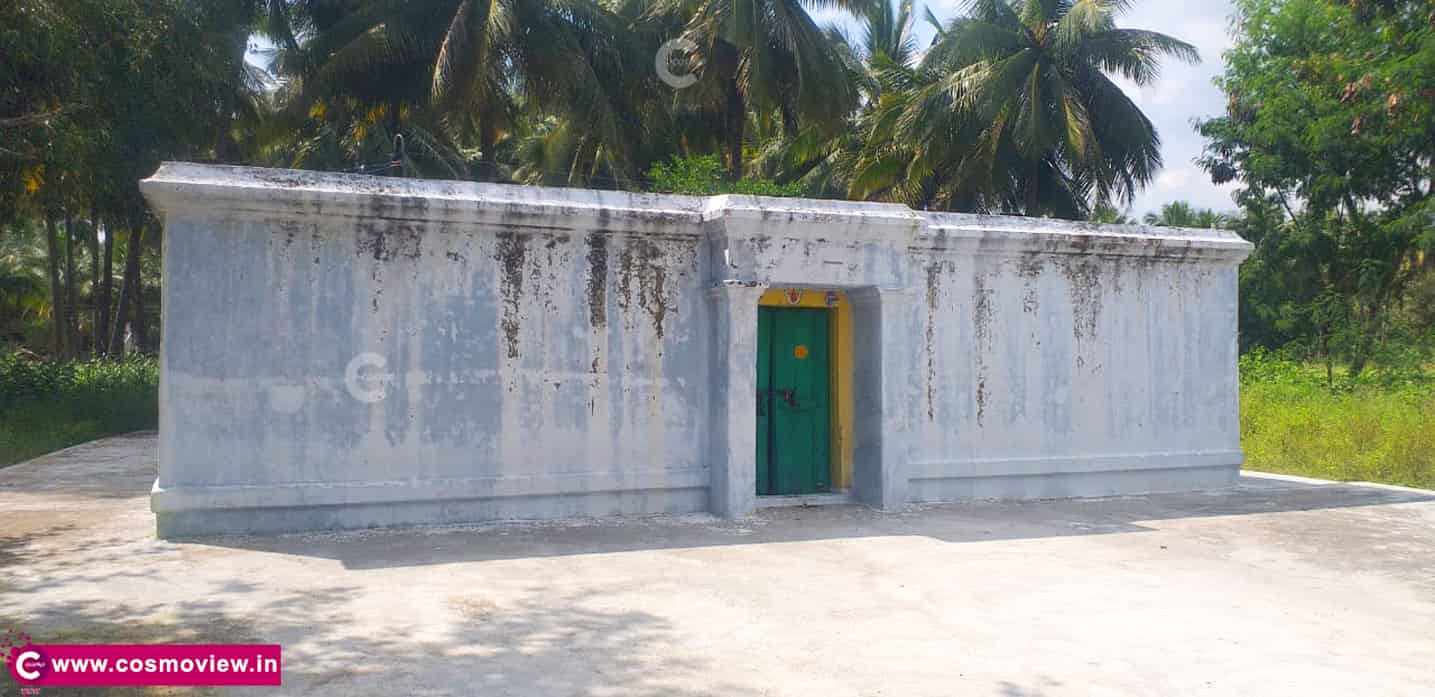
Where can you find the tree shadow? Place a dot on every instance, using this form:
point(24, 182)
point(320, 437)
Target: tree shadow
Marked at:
point(542, 642)
point(91, 571)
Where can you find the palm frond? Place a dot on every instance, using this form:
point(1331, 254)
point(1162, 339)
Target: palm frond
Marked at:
point(1134, 54)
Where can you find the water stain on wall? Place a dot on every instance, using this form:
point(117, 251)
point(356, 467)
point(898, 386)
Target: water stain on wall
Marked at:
point(1029, 267)
point(935, 270)
point(1083, 277)
point(646, 262)
point(387, 240)
point(983, 314)
point(597, 279)
point(510, 255)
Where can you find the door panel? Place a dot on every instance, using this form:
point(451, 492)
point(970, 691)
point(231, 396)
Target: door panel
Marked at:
point(765, 319)
point(794, 417)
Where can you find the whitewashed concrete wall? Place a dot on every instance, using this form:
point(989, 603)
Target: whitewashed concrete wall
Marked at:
point(346, 351)
point(1062, 359)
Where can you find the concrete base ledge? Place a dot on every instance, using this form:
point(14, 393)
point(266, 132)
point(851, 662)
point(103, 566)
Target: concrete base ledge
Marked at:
point(1017, 466)
point(301, 494)
point(1074, 484)
point(269, 520)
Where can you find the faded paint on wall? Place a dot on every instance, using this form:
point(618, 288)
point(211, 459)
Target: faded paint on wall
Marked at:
point(346, 351)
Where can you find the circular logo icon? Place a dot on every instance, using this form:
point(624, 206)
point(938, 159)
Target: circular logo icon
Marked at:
point(793, 296)
point(29, 665)
point(800, 352)
point(367, 386)
point(674, 53)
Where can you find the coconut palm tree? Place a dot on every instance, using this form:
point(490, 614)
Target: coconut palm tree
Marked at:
point(1183, 214)
point(887, 38)
point(1014, 108)
point(822, 159)
point(767, 57)
point(476, 66)
point(24, 288)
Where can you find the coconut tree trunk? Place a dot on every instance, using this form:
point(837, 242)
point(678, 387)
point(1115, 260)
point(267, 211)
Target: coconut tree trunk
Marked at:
point(736, 125)
point(72, 320)
point(487, 144)
point(1033, 190)
point(790, 128)
point(93, 240)
point(107, 284)
point(52, 256)
point(129, 288)
point(141, 326)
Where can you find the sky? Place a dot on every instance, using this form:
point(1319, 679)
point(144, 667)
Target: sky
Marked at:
point(1183, 92)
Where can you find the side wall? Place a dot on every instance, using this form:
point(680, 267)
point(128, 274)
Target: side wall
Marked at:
point(344, 372)
point(1072, 371)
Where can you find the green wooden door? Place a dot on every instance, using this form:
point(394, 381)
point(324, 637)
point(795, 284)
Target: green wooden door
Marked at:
point(793, 401)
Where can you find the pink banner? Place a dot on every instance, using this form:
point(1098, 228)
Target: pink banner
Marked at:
point(115, 665)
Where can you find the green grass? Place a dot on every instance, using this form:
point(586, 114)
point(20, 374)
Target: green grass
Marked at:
point(1380, 428)
point(47, 405)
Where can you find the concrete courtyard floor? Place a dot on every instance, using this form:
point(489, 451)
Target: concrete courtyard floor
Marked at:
point(1274, 587)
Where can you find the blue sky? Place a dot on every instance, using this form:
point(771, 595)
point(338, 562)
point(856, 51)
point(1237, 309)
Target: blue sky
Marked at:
point(1183, 92)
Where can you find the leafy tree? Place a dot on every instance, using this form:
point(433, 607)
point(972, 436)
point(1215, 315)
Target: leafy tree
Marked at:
point(1330, 120)
point(93, 95)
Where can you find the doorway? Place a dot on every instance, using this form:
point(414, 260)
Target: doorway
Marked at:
point(794, 401)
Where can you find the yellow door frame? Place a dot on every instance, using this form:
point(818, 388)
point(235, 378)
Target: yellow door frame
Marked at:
point(840, 338)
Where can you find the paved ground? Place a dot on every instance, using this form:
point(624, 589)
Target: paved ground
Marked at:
point(1276, 587)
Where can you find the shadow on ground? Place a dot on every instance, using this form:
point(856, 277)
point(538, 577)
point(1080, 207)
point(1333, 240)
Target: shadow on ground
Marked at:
point(376, 612)
point(522, 646)
point(978, 521)
point(117, 473)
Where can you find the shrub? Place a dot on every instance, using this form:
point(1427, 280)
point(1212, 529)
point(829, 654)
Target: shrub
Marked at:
point(705, 176)
point(48, 405)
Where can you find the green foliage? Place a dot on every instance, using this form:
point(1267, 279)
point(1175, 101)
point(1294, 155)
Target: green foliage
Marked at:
point(48, 405)
point(1330, 130)
point(704, 176)
point(1182, 214)
point(768, 58)
point(1367, 429)
point(1014, 108)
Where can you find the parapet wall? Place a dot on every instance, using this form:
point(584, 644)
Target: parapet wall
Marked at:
point(348, 351)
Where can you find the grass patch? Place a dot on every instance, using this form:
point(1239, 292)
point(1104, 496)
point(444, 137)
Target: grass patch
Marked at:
point(49, 405)
point(1380, 428)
